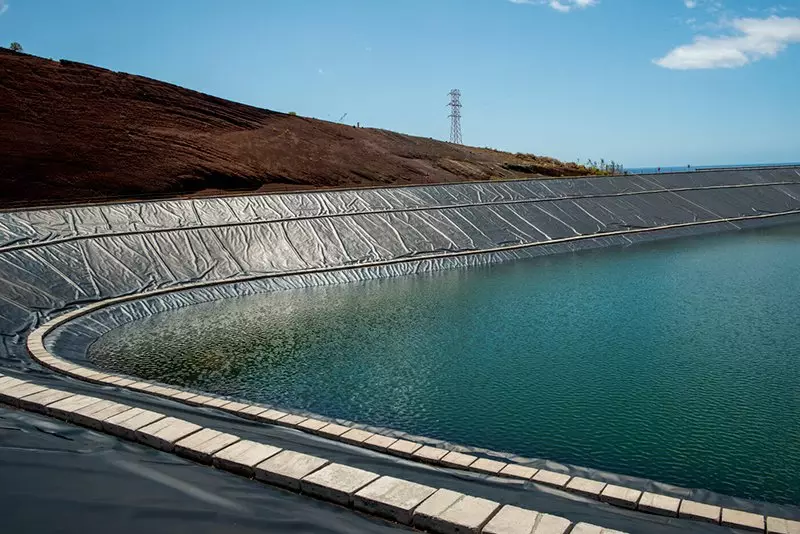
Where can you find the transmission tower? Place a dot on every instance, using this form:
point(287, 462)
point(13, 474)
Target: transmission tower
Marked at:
point(455, 116)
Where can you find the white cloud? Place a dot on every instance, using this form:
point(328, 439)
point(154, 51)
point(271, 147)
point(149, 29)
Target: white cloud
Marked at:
point(691, 4)
point(3, 6)
point(756, 39)
point(564, 6)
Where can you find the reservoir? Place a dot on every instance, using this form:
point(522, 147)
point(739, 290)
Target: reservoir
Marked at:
point(677, 361)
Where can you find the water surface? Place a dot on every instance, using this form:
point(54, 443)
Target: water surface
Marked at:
point(677, 361)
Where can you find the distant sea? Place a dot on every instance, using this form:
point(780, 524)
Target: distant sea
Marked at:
point(692, 168)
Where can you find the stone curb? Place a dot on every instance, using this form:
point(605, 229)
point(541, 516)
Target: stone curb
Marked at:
point(440, 511)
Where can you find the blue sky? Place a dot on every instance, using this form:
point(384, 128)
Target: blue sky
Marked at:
point(643, 82)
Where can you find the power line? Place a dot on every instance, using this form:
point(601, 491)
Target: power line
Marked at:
point(455, 116)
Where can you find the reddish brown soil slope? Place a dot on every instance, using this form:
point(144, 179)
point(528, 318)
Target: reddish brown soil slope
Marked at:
point(73, 132)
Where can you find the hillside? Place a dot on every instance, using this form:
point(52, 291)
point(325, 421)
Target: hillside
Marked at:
point(74, 132)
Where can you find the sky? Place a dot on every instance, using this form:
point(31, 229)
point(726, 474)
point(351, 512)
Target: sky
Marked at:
point(641, 82)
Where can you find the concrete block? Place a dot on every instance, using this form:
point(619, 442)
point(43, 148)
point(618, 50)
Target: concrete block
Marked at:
point(86, 416)
point(286, 468)
point(426, 514)
point(242, 457)
point(467, 514)
point(458, 459)
point(95, 421)
point(123, 383)
point(216, 402)
point(379, 443)
point(235, 406)
point(519, 471)
point(140, 386)
point(699, 511)
point(356, 436)
point(484, 465)
point(429, 454)
point(585, 487)
point(776, 525)
point(291, 420)
point(9, 381)
point(333, 430)
point(271, 416)
point(165, 432)
point(336, 483)
point(198, 400)
point(653, 503)
point(39, 401)
point(12, 395)
point(550, 478)
point(403, 447)
point(202, 445)
point(251, 412)
point(127, 423)
point(743, 520)
point(312, 425)
point(184, 395)
point(392, 498)
point(620, 496)
point(586, 528)
point(514, 520)
point(63, 409)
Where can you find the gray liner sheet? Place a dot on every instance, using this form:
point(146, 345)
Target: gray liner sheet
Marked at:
point(53, 260)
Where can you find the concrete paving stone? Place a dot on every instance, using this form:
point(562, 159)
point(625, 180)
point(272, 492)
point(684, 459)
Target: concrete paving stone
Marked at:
point(333, 430)
point(83, 416)
point(403, 447)
point(39, 401)
point(127, 423)
point(286, 468)
point(620, 496)
point(468, 514)
point(519, 471)
point(198, 400)
point(776, 525)
point(336, 483)
point(356, 436)
point(271, 416)
point(379, 443)
point(252, 411)
point(653, 503)
point(95, 420)
point(743, 520)
point(9, 381)
point(291, 420)
point(63, 409)
point(312, 424)
point(161, 391)
point(485, 465)
point(514, 520)
point(202, 445)
point(458, 459)
point(113, 379)
point(392, 498)
point(242, 457)
point(586, 528)
point(183, 395)
point(551, 478)
point(585, 487)
point(124, 383)
point(235, 406)
point(165, 432)
point(140, 386)
point(699, 511)
point(426, 514)
point(216, 402)
point(429, 454)
point(12, 395)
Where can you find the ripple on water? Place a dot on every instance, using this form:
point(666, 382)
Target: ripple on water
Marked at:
point(675, 361)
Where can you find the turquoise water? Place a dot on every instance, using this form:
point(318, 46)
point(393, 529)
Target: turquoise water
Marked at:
point(677, 361)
